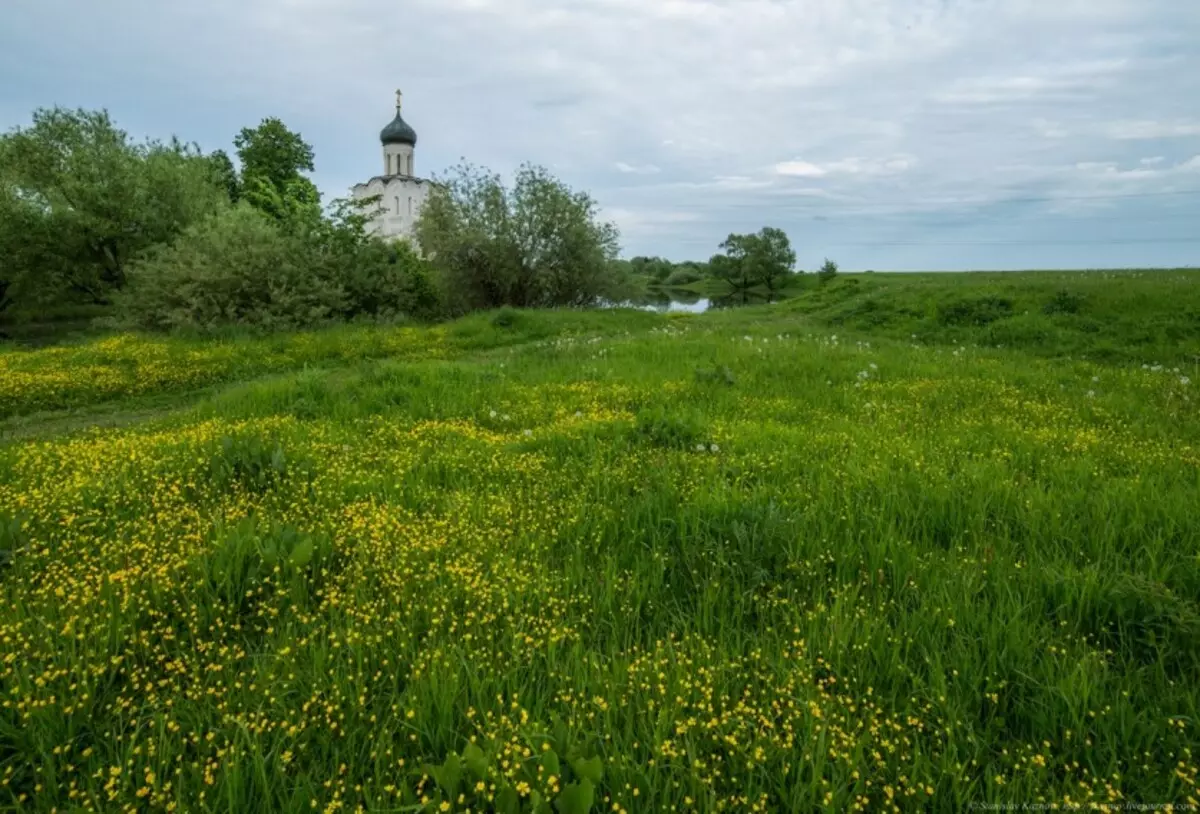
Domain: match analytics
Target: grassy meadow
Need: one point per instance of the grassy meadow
(815, 555)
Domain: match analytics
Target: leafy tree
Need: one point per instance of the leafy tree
(538, 244)
(79, 201)
(765, 258)
(225, 175)
(683, 275)
(828, 271)
(296, 206)
(656, 268)
(273, 153)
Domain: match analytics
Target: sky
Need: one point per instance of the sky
(882, 134)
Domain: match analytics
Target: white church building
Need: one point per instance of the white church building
(401, 192)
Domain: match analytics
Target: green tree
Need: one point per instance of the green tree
(273, 153)
(538, 244)
(765, 259)
(225, 175)
(828, 271)
(79, 201)
(296, 206)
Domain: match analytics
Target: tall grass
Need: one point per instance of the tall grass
(608, 562)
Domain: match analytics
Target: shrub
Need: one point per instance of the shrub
(505, 318)
(237, 268)
(975, 311)
(664, 429)
(253, 463)
(387, 281)
(827, 271)
(1064, 302)
(243, 268)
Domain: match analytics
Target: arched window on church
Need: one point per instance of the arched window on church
(409, 171)
(397, 200)
(410, 206)
(388, 161)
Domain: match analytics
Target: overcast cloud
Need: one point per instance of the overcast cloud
(889, 134)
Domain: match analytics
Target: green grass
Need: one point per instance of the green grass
(1105, 316)
(532, 561)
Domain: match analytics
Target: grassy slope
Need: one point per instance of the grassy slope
(924, 576)
(1121, 317)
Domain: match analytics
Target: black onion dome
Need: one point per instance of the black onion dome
(398, 132)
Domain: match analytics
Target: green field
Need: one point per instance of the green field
(903, 542)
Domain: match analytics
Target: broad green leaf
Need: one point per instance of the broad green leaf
(507, 801)
(302, 554)
(592, 769)
(475, 760)
(576, 798)
(449, 774)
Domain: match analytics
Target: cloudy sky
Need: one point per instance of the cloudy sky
(887, 134)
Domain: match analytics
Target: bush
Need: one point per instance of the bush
(237, 268)
(505, 318)
(661, 428)
(387, 281)
(827, 271)
(243, 269)
(683, 276)
(1064, 302)
(976, 311)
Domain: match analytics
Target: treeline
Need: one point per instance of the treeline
(163, 236)
(763, 260)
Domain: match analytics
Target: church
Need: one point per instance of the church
(401, 192)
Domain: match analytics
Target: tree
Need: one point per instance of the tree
(79, 201)
(225, 175)
(538, 245)
(296, 206)
(273, 153)
(828, 271)
(765, 259)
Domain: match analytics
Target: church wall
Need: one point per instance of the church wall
(395, 192)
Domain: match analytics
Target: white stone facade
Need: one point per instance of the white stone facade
(400, 199)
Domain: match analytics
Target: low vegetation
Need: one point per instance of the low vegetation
(779, 558)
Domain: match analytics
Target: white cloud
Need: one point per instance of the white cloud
(644, 169)
(1054, 81)
(1134, 130)
(800, 169)
(846, 166)
(1049, 129)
